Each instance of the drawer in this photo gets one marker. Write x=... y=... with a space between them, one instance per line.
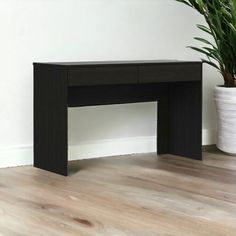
x=170 y=72
x=102 y=75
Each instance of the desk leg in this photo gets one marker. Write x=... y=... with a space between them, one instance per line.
x=50 y=119
x=163 y=124
x=180 y=120
x=185 y=123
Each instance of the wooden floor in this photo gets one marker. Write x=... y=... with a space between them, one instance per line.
x=138 y=195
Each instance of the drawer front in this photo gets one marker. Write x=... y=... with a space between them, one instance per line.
x=102 y=75
x=170 y=73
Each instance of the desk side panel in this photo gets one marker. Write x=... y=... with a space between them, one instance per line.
x=185 y=119
x=50 y=118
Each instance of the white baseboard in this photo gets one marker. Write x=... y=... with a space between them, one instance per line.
x=23 y=155
x=16 y=156
x=208 y=137
x=112 y=147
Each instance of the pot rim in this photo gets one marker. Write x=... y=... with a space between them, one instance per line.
x=221 y=86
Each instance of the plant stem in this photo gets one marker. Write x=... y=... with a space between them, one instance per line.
x=230 y=81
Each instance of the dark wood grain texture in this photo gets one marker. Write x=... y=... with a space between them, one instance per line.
x=177 y=86
x=50 y=119
x=170 y=72
x=103 y=75
x=185 y=119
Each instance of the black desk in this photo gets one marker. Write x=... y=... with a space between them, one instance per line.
x=176 y=85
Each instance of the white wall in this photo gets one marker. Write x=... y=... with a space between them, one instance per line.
x=77 y=30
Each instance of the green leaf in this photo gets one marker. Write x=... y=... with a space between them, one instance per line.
x=220 y=18
x=205 y=29
x=185 y=2
x=201 y=51
x=210 y=63
x=203 y=41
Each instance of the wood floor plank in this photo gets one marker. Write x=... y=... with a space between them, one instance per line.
x=139 y=195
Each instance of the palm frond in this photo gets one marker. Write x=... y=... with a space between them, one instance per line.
x=220 y=17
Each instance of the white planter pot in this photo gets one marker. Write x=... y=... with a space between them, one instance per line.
x=225 y=99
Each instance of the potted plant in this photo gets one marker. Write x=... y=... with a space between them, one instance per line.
x=220 y=17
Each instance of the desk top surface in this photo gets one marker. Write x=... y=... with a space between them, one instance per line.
x=134 y=62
